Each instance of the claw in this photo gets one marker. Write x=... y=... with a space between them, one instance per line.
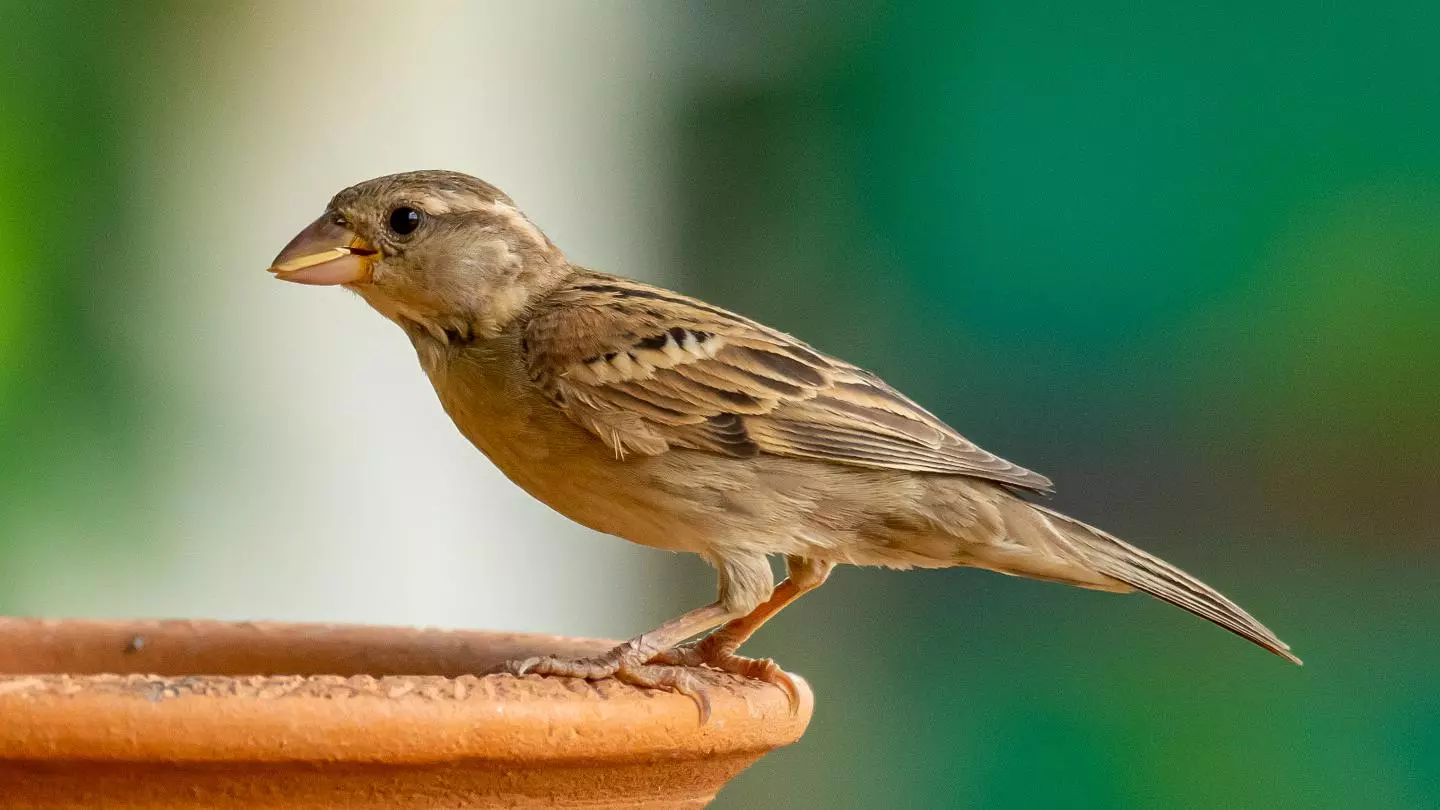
x=786 y=682
x=647 y=676
x=674 y=678
x=709 y=653
x=590 y=669
x=516 y=668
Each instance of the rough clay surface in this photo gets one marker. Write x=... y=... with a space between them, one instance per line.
x=396 y=723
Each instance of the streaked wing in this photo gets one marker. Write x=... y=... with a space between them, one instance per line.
x=646 y=369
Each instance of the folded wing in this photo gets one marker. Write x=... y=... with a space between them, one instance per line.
x=646 y=370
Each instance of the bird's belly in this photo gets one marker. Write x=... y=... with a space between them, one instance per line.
x=681 y=500
x=567 y=468
x=686 y=500
x=612 y=499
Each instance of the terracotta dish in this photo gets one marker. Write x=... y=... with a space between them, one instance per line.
x=191 y=714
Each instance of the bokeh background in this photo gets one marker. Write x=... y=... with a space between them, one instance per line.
x=1182 y=258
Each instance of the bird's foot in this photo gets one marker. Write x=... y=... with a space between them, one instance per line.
x=713 y=651
x=623 y=664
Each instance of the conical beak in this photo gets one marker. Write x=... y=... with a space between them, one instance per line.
x=326 y=252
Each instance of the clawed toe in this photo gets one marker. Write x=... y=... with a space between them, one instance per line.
x=761 y=669
x=591 y=669
x=676 y=678
x=709 y=654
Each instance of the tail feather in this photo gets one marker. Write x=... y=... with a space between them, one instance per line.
x=1115 y=558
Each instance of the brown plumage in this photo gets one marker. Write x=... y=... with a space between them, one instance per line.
x=647 y=370
x=674 y=423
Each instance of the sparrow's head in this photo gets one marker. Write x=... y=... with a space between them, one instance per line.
x=435 y=249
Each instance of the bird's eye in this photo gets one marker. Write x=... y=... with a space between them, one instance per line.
x=404 y=220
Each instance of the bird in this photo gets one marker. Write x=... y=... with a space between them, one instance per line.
x=670 y=422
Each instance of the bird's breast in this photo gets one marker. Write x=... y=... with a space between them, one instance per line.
x=487 y=392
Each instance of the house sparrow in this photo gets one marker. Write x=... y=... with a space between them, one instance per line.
x=673 y=423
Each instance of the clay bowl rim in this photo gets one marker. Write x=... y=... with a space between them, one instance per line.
x=138 y=691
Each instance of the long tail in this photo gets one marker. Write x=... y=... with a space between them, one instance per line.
x=1115 y=558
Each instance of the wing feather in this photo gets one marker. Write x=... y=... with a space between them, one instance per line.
x=645 y=370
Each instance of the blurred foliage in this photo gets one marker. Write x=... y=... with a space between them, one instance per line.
x=1184 y=260
x=66 y=405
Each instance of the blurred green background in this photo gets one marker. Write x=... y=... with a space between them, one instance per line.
x=1183 y=260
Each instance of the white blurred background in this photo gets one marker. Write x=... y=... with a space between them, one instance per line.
x=301 y=467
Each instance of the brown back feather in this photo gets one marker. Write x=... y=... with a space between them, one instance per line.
x=646 y=369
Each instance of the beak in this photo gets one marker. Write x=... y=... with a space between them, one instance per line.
x=326 y=252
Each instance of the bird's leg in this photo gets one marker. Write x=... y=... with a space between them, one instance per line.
x=718 y=648
x=744 y=584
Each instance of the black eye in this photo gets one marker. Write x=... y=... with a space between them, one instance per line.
x=404 y=220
